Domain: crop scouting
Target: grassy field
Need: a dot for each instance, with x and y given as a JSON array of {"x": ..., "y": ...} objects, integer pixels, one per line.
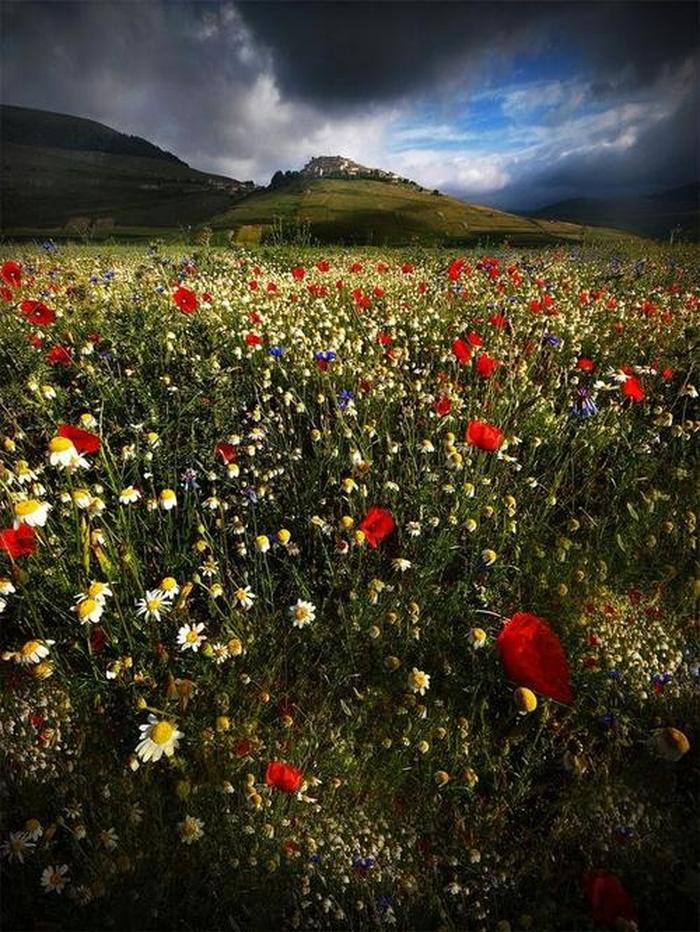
[
  {"x": 349, "y": 588},
  {"x": 375, "y": 212}
]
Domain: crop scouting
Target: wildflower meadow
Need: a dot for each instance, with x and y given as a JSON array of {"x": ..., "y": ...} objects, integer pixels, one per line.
[{"x": 348, "y": 589}]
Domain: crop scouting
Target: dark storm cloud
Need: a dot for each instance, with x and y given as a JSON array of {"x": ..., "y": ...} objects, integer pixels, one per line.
[
  {"x": 348, "y": 51},
  {"x": 245, "y": 88}
]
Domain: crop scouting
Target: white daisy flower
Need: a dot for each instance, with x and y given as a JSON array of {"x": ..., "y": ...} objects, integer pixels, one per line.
[
  {"x": 190, "y": 637},
  {"x": 54, "y": 878},
  {"x": 167, "y": 499},
  {"x": 17, "y": 846},
  {"x": 153, "y": 605},
  {"x": 31, "y": 512},
  {"x": 302, "y": 613},
  {"x": 244, "y": 596},
  {"x": 158, "y": 737},
  {"x": 129, "y": 495},
  {"x": 191, "y": 829}
]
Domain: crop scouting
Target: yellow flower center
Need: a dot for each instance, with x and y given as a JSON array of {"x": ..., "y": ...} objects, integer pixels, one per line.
[
  {"x": 23, "y": 509},
  {"x": 86, "y": 607},
  {"x": 168, "y": 584},
  {"x": 60, "y": 444},
  {"x": 301, "y": 612},
  {"x": 96, "y": 589},
  {"x": 191, "y": 636},
  {"x": 162, "y": 732},
  {"x": 153, "y": 604},
  {"x": 28, "y": 649}
]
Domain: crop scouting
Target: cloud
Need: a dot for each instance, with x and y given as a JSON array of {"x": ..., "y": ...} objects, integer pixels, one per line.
[{"x": 496, "y": 101}]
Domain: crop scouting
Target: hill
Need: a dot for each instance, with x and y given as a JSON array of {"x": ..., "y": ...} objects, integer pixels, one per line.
[
  {"x": 356, "y": 210},
  {"x": 62, "y": 171},
  {"x": 659, "y": 215},
  {"x": 65, "y": 175}
]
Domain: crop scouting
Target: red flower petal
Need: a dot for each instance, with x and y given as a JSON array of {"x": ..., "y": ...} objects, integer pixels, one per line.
[
  {"x": 532, "y": 655},
  {"x": 462, "y": 350},
  {"x": 227, "y": 451},
  {"x": 608, "y": 899},
  {"x": 484, "y": 436},
  {"x": 82, "y": 440},
  {"x": 11, "y": 272},
  {"x": 377, "y": 524},
  {"x": 283, "y": 776},
  {"x": 185, "y": 299},
  {"x": 18, "y": 542}
]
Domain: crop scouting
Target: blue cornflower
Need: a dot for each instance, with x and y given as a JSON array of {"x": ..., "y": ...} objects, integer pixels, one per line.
[
  {"x": 276, "y": 351},
  {"x": 551, "y": 339},
  {"x": 344, "y": 399},
  {"x": 189, "y": 480},
  {"x": 584, "y": 406}
]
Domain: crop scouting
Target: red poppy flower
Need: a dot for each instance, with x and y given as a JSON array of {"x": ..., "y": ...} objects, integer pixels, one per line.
[
  {"x": 486, "y": 365},
  {"x": 356, "y": 267},
  {"x": 298, "y": 273},
  {"x": 384, "y": 338},
  {"x": 407, "y": 268},
  {"x": 585, "y": 364},
  {"x": 382, "y": 267},
  {"x": 442, "y": 405},
  {"x": 11, "y": 272},
  {"x": 98, "y": 639},
  {"x": 283, "y": 776},
  {"x": 378, "y": 292},
  {"x": 498, "y": 320},
  {"x": 607, "y": 898},
  {"x": 227, "y": 451},
  {"x": 185, "y": 299},
  {"x": 252, "y": 339},
  {"x": 37, "y": 313},
  {"x": 632, "y": 388},
  {"x": 18, "y": 542},
  {"x": 377, "y": 524},
  {"x": 532, "y": 655},
  {"x": 474, "y": 339},
  {"x": 59, "y": 356},
  {"x": 484, "y": 436},
  {"x": 667, "y": 373},
  {"x": 535, "y": 306},
  {"x": 82, "y": 440},
  {"x": 323, "y": 265},
  {"x": 242, "y": 748},
  {"x": 462, "y": 351}
]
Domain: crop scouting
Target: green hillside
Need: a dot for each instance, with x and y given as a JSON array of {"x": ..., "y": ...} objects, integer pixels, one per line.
[
  {"x": 61, "y": 173},
  {"x": 64, "y": 176},
  {"x": 351, "y": 211}
]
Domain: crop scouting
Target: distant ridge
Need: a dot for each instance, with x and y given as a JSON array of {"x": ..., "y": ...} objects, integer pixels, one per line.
[
  {"x": 23, "y": 127},
  {"x": 663, "y": 214},
  {"x": 66, "y": 176},
  {"x": 66, "y": 173}
]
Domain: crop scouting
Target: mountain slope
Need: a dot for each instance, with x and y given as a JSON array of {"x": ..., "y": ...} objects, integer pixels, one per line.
[
  {"x": 59, "y": 170},
  {"x": 364, "y": 210},
  {"x": 657, "y": 215}
]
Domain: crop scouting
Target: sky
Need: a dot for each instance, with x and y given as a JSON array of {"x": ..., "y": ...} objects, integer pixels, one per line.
[{"x": 515, "y": 104}]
